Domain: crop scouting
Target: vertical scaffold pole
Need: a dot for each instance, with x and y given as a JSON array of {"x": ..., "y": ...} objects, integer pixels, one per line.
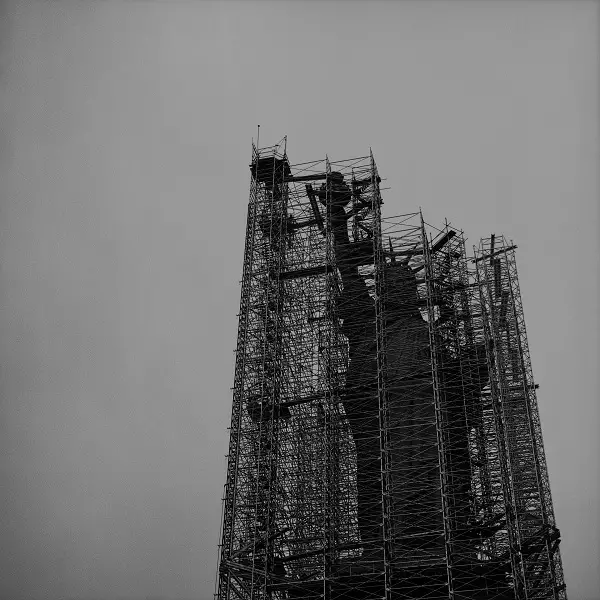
[
  {"x": 381, "y": 349},
  {"x": 438, "y": 402}
]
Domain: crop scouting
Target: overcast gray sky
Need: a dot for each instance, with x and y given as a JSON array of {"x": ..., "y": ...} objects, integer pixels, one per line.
[{"x": 125, "y": 137}]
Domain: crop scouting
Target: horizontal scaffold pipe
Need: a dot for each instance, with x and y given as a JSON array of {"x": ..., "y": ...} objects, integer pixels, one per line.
[
  {"x": 492, "y": 254},
  {"x": 309, "y": 272}
]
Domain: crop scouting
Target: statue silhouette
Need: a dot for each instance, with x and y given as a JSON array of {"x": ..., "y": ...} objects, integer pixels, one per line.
[{"x": 416, "y": 509}]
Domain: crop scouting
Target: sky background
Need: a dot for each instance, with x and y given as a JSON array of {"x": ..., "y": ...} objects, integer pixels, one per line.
[{"x": 125, "y": 139}]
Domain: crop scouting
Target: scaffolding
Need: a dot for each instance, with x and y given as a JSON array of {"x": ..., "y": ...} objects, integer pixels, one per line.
[{"x": 385, "y": 440}]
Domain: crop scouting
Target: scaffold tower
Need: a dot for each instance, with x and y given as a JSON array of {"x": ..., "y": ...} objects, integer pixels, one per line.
[{"x": 385, "y": 440}]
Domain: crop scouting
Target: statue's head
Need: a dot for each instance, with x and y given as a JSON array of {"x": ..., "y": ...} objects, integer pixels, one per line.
[{"x": 400, "y": 289}]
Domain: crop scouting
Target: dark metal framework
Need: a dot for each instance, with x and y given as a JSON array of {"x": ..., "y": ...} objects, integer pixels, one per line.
[{"x": 385, "y": 440}]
